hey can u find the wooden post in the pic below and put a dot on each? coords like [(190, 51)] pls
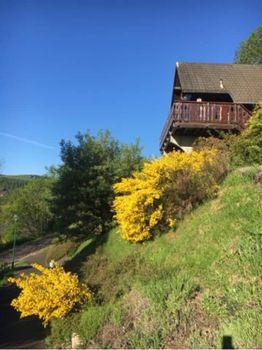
[(76, 341)]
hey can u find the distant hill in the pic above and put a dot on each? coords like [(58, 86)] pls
[(10, 182)]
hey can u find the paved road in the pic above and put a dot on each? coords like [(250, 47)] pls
[(16, 333), (27, 252), (25, 333)]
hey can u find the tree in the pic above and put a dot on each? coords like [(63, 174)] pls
[(31, 206), (250, 50), (83, 192), (51, 294), (248, 146)]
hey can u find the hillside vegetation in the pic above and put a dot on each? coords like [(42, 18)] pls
[(186, 288), (25, 211), (182, 269), (10, 182)]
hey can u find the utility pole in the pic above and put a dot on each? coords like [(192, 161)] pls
[(14, 240)]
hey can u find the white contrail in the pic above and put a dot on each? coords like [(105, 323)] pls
[(22, 139)]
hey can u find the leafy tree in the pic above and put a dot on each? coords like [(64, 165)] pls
[(248, 146), (250, 50), (51, 294), (83, 192), (30, 204)]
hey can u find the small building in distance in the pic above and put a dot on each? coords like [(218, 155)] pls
[(208, 98)]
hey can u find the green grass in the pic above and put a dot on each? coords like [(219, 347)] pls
[(187, 288), (80, 249), (60, 250)]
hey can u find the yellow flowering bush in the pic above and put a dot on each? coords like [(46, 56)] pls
[(157, 196), (51, 294)]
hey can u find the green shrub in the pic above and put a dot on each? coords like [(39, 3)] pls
[(153, 199), (91, 320), (94, 318), (247, 148), (86, 324), (61, 332), (239, 150)]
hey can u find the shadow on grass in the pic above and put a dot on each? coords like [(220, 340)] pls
[(22, 267), (227, 342), (75, 263)]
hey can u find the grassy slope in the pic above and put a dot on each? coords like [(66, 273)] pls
[(187, 288)]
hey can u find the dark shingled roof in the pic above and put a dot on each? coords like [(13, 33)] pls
[(243, 82)]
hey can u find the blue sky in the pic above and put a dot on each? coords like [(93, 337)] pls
[(73, 65)]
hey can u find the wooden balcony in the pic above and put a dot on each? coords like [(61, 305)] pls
[(195, 118)]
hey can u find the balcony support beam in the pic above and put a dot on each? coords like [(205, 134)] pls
[(184, 143), (188, 120)]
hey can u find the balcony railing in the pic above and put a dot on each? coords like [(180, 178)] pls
[(209, 114)]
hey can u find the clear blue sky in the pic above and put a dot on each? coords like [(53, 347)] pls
[(72, 65)]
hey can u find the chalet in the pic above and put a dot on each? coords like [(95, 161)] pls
[(208, 98)]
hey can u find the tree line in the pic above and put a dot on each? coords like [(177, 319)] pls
[(76, 197)]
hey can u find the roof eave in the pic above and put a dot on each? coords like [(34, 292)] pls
[(203, 91)]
